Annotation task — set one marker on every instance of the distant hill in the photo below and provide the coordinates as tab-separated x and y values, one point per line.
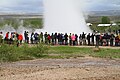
92	16
95	16
5	15
97	19
105	13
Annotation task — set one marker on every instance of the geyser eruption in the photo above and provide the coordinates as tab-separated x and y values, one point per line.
64	16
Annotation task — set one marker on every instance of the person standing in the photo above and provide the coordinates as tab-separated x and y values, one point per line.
76	39
49	39
25	36
36	36
73	39
111	39
41	37
97	36
92	37
84	38
70	40
11	38
107	39
46	38
32	38
66	39
53	39
7	37
63	39
88	39
117	40
20	38
1	38
55	36
80	39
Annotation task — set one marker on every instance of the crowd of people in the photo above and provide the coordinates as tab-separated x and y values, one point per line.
11	38
90	39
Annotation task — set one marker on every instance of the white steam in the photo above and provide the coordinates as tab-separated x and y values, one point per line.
64	16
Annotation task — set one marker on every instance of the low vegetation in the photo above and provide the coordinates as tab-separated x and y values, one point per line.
24	52
34	23
27	52
68	52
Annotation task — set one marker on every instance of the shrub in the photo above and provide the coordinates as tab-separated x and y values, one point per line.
36	50
25	52
8	53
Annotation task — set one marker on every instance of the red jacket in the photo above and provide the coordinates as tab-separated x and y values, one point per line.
49	37
20	37
7	35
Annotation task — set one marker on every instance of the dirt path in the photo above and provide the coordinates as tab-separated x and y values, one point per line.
103	47
62	69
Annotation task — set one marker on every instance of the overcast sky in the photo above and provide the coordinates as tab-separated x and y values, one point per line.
36	6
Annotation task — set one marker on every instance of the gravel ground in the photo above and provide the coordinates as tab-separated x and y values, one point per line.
87	68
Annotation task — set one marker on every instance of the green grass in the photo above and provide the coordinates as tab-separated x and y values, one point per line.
26	52
35	23
108	53
67	52
10	53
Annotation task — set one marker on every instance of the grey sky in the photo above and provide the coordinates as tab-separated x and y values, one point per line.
36	6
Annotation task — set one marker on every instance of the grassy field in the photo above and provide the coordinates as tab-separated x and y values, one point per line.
26	52
67	52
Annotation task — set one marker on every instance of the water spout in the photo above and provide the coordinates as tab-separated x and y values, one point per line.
64	16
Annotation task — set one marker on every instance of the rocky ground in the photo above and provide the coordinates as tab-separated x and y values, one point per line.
86	68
